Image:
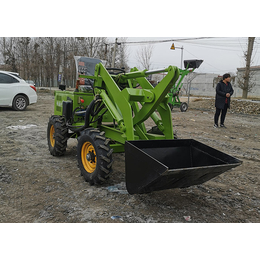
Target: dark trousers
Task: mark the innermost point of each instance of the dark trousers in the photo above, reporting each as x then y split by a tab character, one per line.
223	115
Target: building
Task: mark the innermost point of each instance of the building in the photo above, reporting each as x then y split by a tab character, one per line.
255	74
204	84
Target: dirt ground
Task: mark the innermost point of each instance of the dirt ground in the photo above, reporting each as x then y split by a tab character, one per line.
36	187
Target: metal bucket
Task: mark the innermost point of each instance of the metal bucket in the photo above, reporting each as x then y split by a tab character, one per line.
165	164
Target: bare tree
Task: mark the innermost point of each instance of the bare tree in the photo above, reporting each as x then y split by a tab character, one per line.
23	51
245	82
144	55
39	58
91	46
36	61
8	50
122	55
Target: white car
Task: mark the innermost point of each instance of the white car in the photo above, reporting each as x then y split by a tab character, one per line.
15	92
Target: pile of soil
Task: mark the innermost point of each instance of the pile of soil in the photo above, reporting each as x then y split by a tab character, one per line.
237	106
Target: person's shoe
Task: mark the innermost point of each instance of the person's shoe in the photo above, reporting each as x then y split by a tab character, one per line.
215	126
222	125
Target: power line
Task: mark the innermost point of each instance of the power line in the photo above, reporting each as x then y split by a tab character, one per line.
203	61
229	44
168	40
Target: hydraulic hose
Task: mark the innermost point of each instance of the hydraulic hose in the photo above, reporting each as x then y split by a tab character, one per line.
88	112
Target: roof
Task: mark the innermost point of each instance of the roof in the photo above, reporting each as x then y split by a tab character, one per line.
251	68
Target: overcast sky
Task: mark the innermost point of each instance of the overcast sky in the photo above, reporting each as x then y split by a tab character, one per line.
141	18
220	54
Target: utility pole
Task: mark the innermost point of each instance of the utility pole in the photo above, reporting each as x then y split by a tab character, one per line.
173	48
181	56
114	54
248	61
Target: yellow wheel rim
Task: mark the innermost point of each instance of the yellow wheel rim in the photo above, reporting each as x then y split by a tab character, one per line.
88	157
52	139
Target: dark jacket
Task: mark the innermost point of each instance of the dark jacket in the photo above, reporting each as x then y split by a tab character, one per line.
221	90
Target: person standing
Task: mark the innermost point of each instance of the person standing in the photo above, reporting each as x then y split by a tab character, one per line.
224	91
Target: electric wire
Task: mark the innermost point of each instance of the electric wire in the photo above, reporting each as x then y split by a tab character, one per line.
166	40
203	61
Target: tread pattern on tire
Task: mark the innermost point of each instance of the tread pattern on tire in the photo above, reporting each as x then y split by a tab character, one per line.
103	153
61	135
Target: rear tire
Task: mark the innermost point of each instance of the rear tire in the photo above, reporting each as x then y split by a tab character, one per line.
170	105
184	107
94	156
57	135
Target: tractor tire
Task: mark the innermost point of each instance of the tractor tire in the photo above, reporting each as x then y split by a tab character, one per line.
57	135
170	105
94	156
20	103
184	107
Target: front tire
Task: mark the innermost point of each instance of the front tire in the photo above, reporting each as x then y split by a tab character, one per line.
20	103
94	156
57	135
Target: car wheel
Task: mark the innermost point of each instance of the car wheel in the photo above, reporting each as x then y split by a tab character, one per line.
20	103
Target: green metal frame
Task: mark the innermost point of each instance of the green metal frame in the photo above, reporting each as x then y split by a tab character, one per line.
174	92
128	106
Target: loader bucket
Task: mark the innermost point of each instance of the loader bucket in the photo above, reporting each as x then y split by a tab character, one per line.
153	165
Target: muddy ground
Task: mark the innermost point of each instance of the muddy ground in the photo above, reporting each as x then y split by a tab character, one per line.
36	187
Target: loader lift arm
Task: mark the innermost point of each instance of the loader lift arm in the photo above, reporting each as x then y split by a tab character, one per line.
122	102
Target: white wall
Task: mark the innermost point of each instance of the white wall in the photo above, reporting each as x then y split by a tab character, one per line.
202	85
255	78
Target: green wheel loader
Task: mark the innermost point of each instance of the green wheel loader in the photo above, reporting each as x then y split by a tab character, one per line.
107	114
174	100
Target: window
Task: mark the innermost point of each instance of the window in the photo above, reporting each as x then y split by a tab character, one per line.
4	78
